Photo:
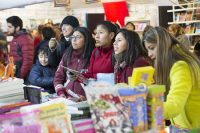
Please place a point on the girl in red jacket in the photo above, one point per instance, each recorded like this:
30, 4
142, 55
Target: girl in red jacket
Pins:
77, 58
101, 58
128, 54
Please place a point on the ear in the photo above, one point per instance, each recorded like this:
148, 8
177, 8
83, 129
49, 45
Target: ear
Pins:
17, 28
112, 35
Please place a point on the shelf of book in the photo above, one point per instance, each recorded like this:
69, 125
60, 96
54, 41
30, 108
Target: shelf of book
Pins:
194, 34
184, 22
139, 24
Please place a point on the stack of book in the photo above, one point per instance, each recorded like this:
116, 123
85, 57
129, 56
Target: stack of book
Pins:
11, 90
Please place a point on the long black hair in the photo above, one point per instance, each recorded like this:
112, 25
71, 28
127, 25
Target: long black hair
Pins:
134, 49
88, 47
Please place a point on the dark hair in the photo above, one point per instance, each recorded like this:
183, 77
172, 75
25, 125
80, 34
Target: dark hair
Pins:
48, 33
130, 24
70, 20
117, 26
15, 21
88, 47
134, 49
197, 49
43, 50
110, 27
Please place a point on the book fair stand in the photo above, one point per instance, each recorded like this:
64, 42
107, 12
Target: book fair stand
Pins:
136, 107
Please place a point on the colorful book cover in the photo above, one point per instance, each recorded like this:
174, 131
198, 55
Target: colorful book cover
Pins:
83, 126
52, 116
108, 113
141, 75
135, 101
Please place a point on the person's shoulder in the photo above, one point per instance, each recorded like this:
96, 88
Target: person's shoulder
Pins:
180, 65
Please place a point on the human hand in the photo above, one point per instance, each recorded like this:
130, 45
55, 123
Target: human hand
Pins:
62, 95
71, 76
52, 43
81, 98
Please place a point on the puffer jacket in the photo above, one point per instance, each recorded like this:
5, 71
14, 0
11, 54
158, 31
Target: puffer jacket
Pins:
42, 76
22, 49
61, 83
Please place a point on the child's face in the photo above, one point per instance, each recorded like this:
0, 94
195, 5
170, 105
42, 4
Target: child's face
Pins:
67, 29
103, 37
120, 44
77, 40
43, 59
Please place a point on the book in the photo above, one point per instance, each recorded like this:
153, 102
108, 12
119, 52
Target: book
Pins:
141, 75
83, 126
189, 16
53, 116
197, 30
11, 90
107, 112
134, 99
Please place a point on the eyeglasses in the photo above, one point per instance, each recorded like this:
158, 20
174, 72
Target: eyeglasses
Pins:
75, 38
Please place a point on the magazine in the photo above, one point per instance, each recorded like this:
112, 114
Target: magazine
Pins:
108, 113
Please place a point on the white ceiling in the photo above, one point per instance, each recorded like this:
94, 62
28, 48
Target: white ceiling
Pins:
6, 4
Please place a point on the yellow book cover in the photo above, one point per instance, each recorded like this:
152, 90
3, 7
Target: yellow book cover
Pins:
142, 75
52, 117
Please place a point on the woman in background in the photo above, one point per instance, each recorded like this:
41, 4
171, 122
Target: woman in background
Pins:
178, 32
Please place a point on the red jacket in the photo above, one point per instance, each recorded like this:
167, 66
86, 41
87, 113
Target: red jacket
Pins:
121, 76
60, 79
100, 62
22, 49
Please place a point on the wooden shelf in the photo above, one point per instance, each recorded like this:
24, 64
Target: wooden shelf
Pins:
184, 22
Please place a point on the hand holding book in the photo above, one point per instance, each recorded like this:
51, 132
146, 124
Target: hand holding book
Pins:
75, 75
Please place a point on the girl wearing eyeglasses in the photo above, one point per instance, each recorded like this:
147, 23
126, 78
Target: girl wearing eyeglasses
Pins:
77, 58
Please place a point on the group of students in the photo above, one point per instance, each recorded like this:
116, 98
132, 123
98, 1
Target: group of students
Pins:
112, 51
119, 51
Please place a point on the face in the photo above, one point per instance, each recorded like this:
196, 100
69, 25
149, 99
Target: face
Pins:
152, 49
103, 37
78, 40
120, 44
130, 27
67, 29
11, 29
43, 59
171, 31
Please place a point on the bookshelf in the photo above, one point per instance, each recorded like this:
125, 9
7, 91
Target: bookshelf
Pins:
188, 16
139, 24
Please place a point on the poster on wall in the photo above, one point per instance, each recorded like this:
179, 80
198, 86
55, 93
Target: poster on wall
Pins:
59, 3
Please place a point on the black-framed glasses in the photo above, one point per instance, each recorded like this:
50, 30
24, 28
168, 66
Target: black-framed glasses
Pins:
75, 37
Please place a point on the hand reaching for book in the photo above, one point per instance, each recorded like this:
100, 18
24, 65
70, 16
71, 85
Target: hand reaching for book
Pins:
62, 95
80, 99
71, 76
